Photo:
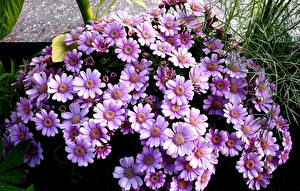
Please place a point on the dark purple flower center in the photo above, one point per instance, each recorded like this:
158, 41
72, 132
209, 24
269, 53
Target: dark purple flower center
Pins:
141, 117
259, 177
184, 40
181, 183
287, 140
216, 139
100, 149
181, 59
211, 46
26, 109
164, 79
76, 118
234, 113
7, 147
261, 87
21, 136
134, 78
175, 108
117, 94
95, 133
76, 37
187, 166
212, 66
233, 88
33, 151
145, 34
128, 21
48, 122
42, 89
154, 178
269, 158
203, 177
139, 67
194, 121
129, 172
169, 24
233, 67
194, 7
88, 100
178, 139
169, 160
216, 104
89, 84
128, 50
199, 153
73, 134
89, 42
230, 143
264, 144
80, 151
245, 129
249, 164
73, 61
170, 40
155, 132
179, 90
109, 115
62, 88
161, 48
114, 34
219, 85
148, 160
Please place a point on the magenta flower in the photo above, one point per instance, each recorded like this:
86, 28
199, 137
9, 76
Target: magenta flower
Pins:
236, 92
213, 45
141, 66
182, 58
250, 165
268, 144
146, 34
39, 91
154, 135
34, 154
178, 184
29, 77
247, 129
73, 37
235, 113
195, 7
72, 61
216, 139
168, 25
220, 86
94, 133
19, 133
161, 48
179, 91
149, 160
47, 122
88, 84
109, 114
203, 179
80, 151
71, 132
173, 110
128, 174
261, 180
155, 180
101, 45
196, 120
233, 145
86, 40
185, 170
132, 79
113, 32
212, 66
185, 40
24, 110
141, 117
62, 87
263, 104
199, 78
76, 116
128, 50
179, 139
102, 151
118, 93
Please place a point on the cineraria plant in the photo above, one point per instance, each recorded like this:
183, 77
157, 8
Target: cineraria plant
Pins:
166, 76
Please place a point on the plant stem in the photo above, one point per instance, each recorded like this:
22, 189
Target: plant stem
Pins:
85, 10
108, 8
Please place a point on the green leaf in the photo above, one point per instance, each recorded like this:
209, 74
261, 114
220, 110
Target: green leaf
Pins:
15, 156
16, 176
30, 188
60, 49
129, 1
141, 3
9, 11
5, 186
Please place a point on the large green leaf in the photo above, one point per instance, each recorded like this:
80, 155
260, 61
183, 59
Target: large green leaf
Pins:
16, 176
15, 156
9, 13
4, 186
30, 188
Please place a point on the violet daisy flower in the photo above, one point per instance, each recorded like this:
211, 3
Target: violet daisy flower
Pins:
89, 102
236, 92
141, 116
235, 113
283, 156
128, 50
182, 58
235, 66
195, 7
212, 66
179, 91
138, 95
76, 116
155, 180
161, 48
29, 77
101, 45
109, 114
161, 79
199, 78
102, 151
168, 25
263, 104
39, 91
185, 40
88, 84
179, 139
47, 122
74, 36
233, 145
215, 105
196, 120
62, 87
126, 127
261, 180
213, 45
247, 129
127, 20
287, 140
128, 174
118, 93
72, 61
282, 124
86, 40
94, 133
203, 179
268, 144
154, 134
262, 88
141, 66
132, 79
168, 164
71, 132
146, 34
24, 110
7, 144
34, 154
113, 32
216, 139
80, 151
149, 160
178, 184
185, 170
19, 133
220, 86
173, 110
250, 165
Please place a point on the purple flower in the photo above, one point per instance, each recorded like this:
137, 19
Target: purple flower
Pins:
80, 151
179, 91
168, 164
203, 179
118, 93
261, 180
263, 88
126, 127
94, 133
86, 40
212, 66
87, 103
154, 134
24, 110
247, 129
138, 95
132, 79
268, 144
7, 144
19, 133
196, 120
76, 116
235, 66
168, 25
141, 117
161, 48
199, 78
128, 50
88, 84
34, 154
72, 61
101, 45
141, 66
71, 132
173, 110
236, 92
62, 87
185, 40
125, 19
39, 91
185, 170
109, 114
103, 150
263, 104
233, 145
287, 140
182, 58
220, 86
29, 77
113, 32
216, 139
179, 141
146, 34
250, 165
284, 156
155, 180
178, 184
282, 124
195, 7
47, 122
74, 36
149, 160
128, 174
215, 105
235, 113
213, 45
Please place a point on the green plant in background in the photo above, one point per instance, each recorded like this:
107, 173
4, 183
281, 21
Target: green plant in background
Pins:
264, 29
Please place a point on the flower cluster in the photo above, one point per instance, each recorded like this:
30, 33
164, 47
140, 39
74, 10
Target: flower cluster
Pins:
167, 75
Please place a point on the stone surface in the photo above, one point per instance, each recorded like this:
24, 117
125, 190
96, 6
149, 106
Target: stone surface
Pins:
42, 20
